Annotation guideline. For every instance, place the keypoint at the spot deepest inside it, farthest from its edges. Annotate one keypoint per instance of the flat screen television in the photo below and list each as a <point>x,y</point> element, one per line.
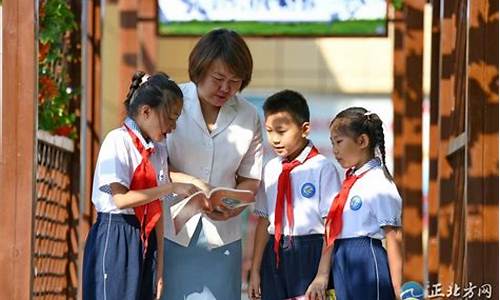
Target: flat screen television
<point>274,18</point>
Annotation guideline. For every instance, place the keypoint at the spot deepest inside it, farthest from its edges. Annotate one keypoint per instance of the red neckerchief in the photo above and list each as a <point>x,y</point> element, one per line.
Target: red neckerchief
<point>285,192</point>
<point>333,224</point>
<point>145,177</point>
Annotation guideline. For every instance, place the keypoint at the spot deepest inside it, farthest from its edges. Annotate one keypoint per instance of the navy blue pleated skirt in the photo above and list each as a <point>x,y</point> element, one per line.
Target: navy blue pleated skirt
<point>360,270</point>
<point>298,265</point>
<point>114,267</point>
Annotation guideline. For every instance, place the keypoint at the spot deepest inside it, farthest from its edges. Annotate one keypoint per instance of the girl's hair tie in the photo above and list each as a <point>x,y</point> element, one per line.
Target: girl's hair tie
<point>368,115</point>
<point>144,78</point>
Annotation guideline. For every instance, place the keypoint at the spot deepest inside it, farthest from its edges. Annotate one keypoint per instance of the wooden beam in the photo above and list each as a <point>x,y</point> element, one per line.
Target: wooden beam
<point>451,168</point>
<point>411,184</point>
<point>482,147</point>
<point>398,92</point>
<point>147,35</point>
<point>433,193</point>
<point>91,114</point>
<point>18,109</point>
<point>129,46</point>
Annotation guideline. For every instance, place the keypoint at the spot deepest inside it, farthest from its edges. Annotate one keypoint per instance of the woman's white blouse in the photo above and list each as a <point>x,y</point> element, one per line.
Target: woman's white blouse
<point>233,148</point>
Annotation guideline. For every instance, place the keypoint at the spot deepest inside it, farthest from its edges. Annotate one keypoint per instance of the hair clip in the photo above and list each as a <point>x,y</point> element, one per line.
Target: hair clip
<point>144,78</point>
<point>368,115</point>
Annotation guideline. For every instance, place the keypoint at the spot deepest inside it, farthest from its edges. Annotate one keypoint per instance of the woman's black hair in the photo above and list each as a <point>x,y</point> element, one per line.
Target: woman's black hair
<point>355,121</point>
<point>156,91</point>
<point>226,45</point>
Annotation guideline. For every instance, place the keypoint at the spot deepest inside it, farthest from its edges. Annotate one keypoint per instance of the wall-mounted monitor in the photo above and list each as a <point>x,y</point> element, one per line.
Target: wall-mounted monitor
<point>310,18</point>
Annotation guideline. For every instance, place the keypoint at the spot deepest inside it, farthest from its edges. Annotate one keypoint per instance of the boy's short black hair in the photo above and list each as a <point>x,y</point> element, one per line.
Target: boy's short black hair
<point>288,101</point>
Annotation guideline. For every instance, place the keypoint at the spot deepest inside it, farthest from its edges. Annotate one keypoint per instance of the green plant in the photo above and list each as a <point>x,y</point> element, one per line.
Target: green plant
<point>55,92</point>
<point>398,4</point>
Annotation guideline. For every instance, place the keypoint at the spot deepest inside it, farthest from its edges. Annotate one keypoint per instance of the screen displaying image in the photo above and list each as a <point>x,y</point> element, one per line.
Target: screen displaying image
<point>274,17</point>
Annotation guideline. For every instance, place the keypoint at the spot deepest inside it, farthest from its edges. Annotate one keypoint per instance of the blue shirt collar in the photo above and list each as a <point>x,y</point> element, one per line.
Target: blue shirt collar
<point>130,123</point>
<point>374,162</point>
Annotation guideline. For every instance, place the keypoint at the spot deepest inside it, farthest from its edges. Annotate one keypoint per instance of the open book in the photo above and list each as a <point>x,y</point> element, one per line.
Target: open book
<point>186,208</point>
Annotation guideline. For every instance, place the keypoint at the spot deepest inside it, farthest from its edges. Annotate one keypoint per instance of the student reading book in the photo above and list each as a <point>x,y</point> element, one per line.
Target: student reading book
<point>123,257</point>
<point>202,202</point>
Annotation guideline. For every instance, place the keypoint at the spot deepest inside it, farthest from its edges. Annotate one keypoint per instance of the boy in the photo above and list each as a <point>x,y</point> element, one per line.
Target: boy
<point>290,258</point>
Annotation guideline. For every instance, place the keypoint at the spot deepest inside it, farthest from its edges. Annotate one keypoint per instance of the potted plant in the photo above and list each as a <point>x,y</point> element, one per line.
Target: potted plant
<point>55,92</point>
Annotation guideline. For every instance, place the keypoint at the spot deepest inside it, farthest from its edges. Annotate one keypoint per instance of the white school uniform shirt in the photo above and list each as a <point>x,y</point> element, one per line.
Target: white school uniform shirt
<point>314,186</point>
<point>373,202</point>
<point>234,147</point>
<point>117,160</point>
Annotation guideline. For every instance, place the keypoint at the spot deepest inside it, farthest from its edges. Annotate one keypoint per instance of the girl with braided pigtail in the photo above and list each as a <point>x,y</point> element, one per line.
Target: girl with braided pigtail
<point>361,267</point>
<point>123,257</point>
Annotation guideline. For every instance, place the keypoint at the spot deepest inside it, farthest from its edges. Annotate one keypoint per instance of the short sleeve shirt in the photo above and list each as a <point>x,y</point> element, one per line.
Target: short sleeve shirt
<point>117,160</point>
<point>373,202</point>
<point>314,186</point>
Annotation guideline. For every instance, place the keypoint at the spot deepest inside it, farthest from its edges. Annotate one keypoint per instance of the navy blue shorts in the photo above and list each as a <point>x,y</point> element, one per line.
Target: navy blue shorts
<point>114,267</point>
<point>299,261</point>
<point>360,270</point>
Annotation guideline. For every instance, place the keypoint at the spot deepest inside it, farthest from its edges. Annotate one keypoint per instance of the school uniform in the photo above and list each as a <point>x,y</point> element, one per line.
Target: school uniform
<point>116,263</point>
<point>360,267</point>
<point>204,258</point>
<point>288,271</point>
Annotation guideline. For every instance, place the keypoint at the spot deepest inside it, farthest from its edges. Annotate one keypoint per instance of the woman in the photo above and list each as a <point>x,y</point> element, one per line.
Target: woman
<point>217,143</point>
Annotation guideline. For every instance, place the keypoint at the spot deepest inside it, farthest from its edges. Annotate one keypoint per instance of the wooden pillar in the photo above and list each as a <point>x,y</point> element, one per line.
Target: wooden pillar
<point>147,36</point>
<point>398,93</point>
<point>482,150</point>
<point>433,194</point>
<point>129,46</point>
<point>18,110</point>
<point>93,103</point>
<point>451,154</point>
<point>411,177</point>
<point>91,112</point>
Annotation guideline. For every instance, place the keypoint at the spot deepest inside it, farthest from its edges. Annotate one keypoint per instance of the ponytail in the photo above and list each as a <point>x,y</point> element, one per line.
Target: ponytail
<point>155,90</point>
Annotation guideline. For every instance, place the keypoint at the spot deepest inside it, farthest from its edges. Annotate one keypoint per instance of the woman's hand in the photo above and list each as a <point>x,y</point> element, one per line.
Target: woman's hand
<point>201,185</point>
<point>222,213</point>
<point>317,288</point>
<point>254,285</point>
<point>183,189</point>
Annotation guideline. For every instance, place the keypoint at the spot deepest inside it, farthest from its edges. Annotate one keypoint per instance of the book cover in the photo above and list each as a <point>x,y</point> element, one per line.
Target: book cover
<point>186,208</point>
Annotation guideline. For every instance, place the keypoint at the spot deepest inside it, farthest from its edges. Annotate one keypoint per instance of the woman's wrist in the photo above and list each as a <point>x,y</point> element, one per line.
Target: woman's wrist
<point>255,269</point>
